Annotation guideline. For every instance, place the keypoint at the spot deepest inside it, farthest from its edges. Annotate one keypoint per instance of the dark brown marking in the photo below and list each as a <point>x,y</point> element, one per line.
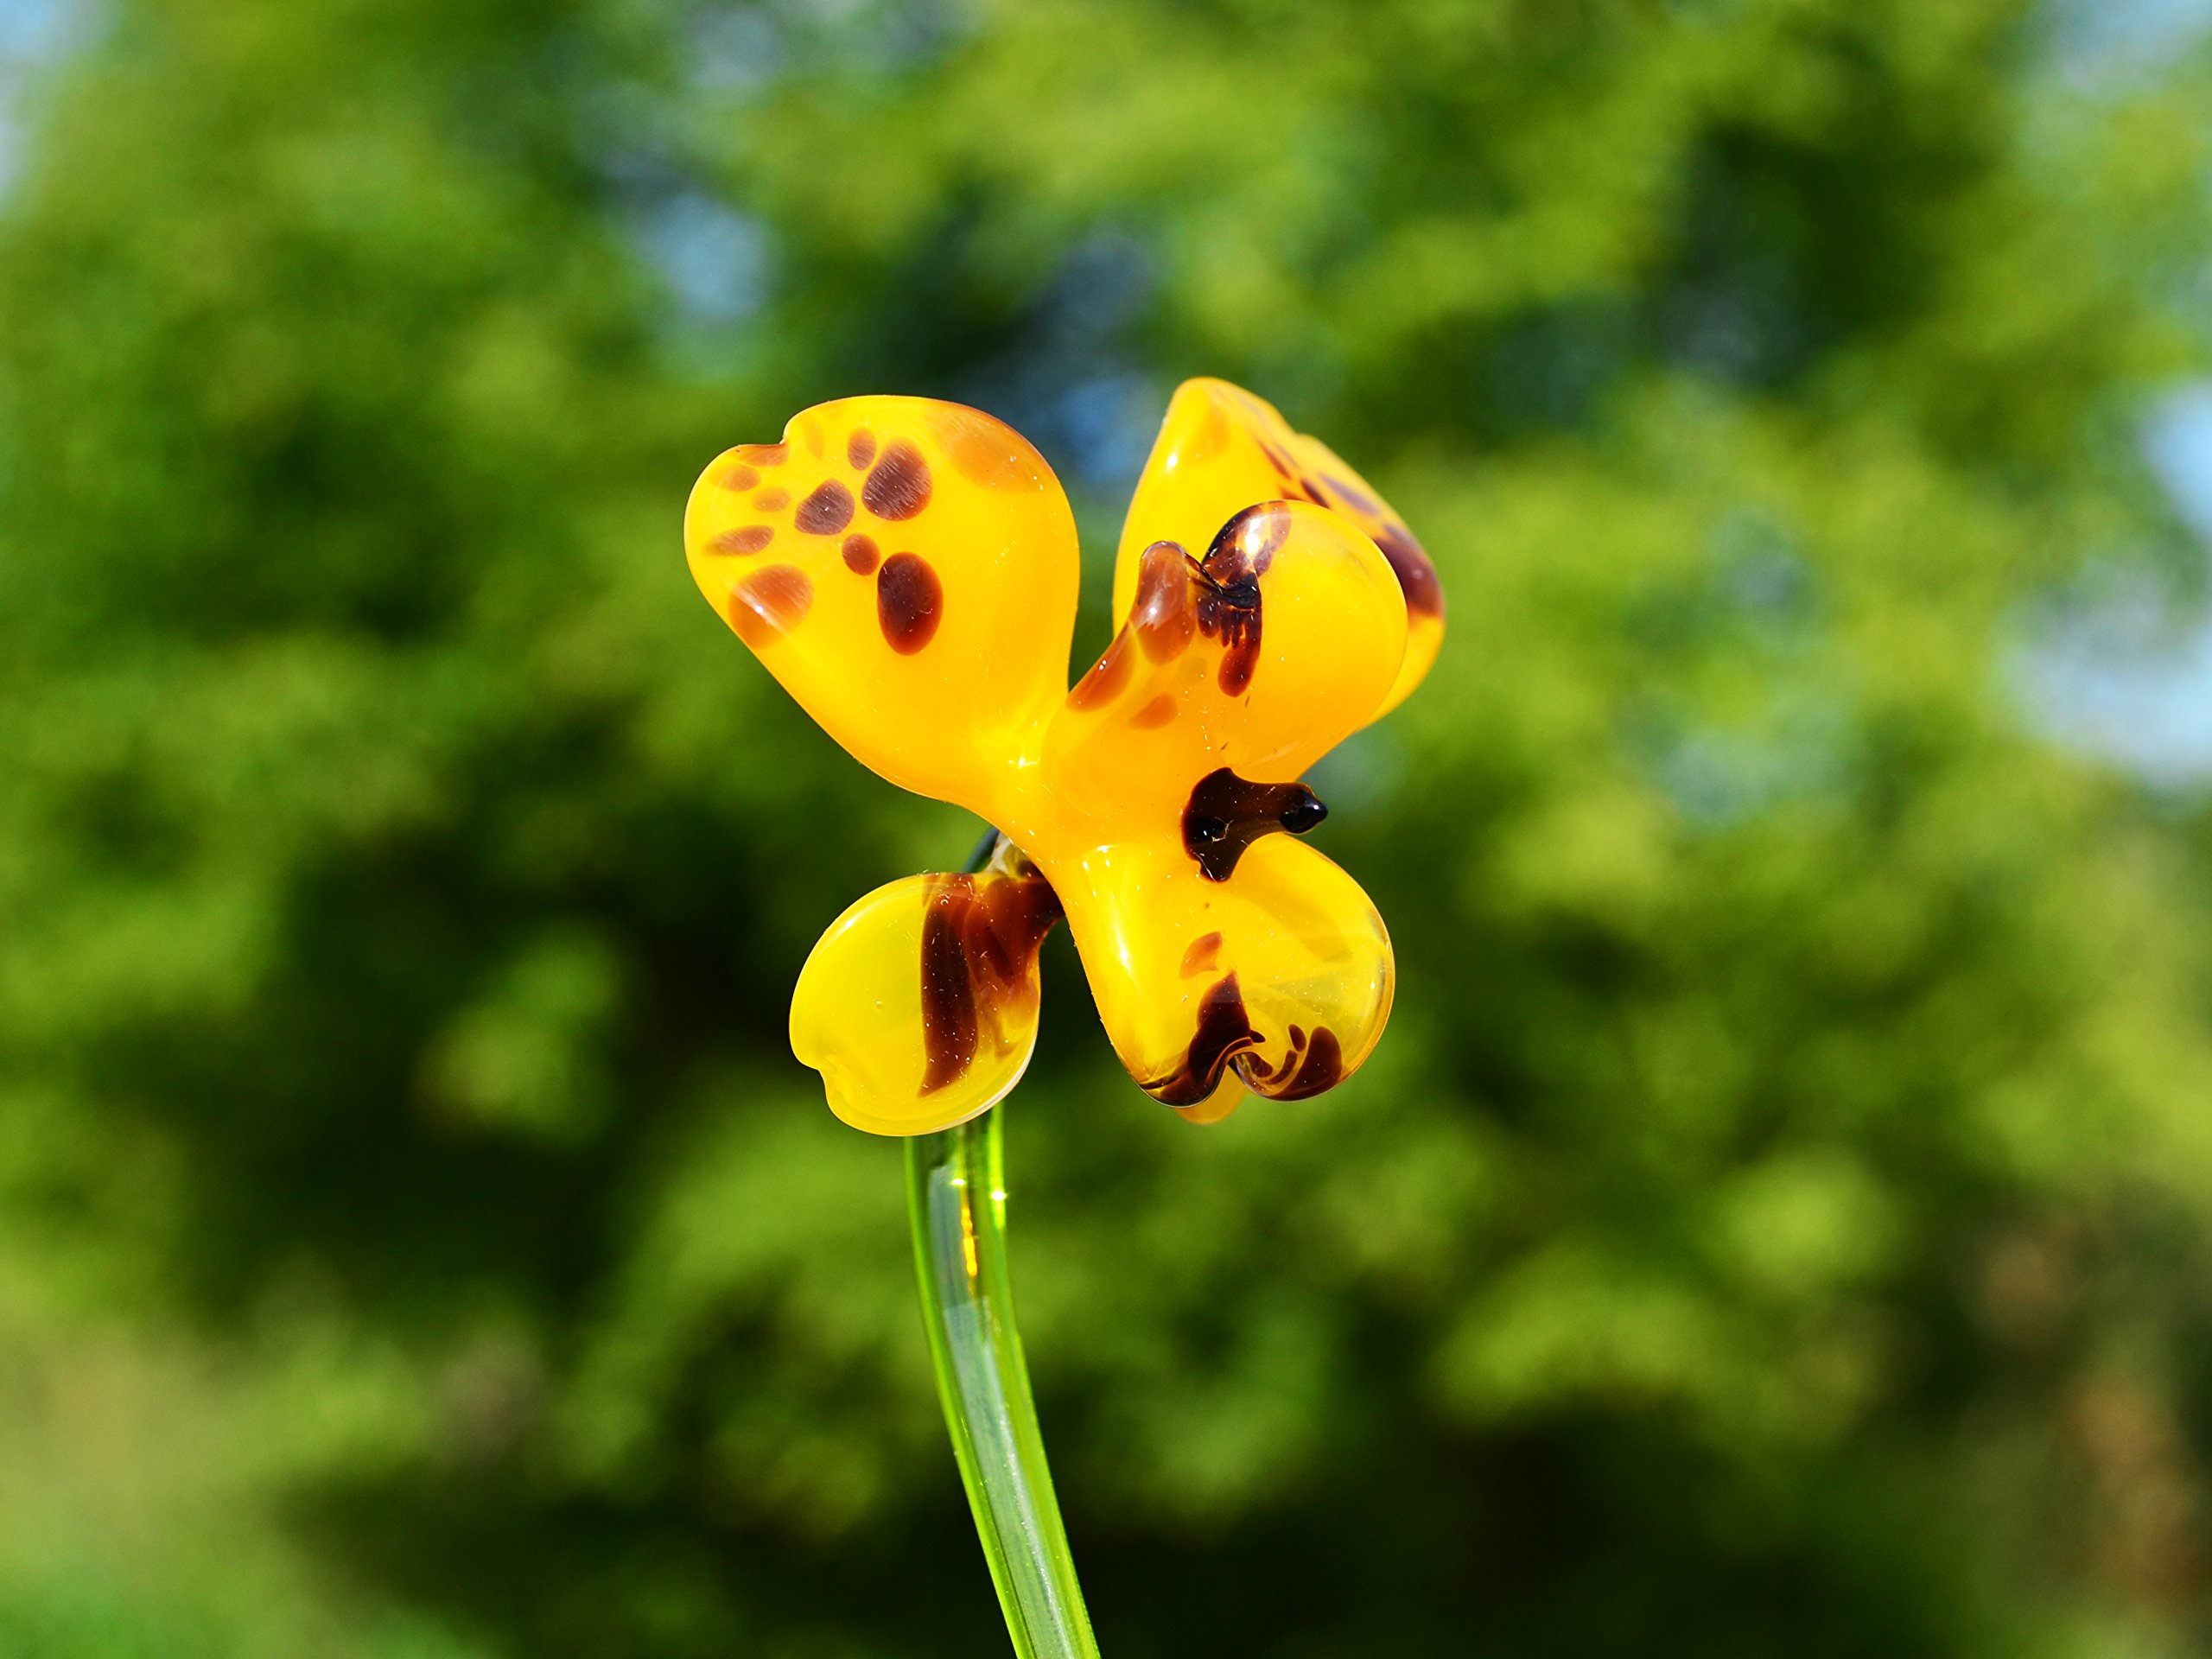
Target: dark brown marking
<point>1304,1070</point>
<point>826,512</point>
<point>1227,814</point>
<point>1203,956</point>
<point>740,478</point>
<point>979,938</point>
<point>1225,1031</point>
<point>898,485</point>
<point>1155,715</point>
<point>1107,676</point>
<point>1352,496</point>
<point>1228,601</point>
<point>771,501</point>
<point>751,539</point>
<point>861,555</point>
<point>1323,1070</point>
<point>1164,615</point>
<point>1416,574</point>
<point>950,1033</point>
<point>769,603</point>
<point>1260,1077</point>
<point>909,602</point>
<point>859,447</point>
<point>1248,543</point>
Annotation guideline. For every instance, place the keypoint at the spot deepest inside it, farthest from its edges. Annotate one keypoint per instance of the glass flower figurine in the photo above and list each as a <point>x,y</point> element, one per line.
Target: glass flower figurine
<point>907,569</point>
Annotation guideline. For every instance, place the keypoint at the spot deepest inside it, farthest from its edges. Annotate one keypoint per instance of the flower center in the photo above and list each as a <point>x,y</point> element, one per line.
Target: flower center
<point>1227,813</point>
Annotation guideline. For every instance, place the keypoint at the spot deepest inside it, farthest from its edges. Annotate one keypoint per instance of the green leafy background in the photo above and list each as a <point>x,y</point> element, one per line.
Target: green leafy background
<point>1779,1220</point>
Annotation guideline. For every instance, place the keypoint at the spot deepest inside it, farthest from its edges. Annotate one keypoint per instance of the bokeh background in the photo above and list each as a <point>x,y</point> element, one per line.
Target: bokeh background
<point>1779,1221</point>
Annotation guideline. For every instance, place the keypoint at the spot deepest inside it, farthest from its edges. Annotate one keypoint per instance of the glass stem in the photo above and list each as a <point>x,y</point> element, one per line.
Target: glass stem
<point>955,1195</point>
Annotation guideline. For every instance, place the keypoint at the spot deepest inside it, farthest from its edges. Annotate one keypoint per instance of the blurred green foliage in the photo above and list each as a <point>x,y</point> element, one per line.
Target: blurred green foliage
<point>1777,1222</point>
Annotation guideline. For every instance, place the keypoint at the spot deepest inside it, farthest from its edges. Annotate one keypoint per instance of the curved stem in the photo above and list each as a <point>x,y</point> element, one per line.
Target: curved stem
<point>956,1196</point>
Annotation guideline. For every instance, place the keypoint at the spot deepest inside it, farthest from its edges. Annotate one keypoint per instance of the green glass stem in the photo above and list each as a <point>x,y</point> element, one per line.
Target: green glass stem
<point>956,1196</point>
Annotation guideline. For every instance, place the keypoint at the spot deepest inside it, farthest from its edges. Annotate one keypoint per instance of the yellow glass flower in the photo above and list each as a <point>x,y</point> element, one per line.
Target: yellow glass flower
<point>908,568</point>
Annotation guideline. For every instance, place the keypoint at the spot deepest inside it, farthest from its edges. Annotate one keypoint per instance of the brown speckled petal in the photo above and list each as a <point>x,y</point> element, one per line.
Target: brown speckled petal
<point>939,559</point>
<point>919,1006</point>
<point>1279,978</point>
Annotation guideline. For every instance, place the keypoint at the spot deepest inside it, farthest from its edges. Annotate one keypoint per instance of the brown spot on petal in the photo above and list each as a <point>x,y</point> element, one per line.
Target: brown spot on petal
<point>765,454</point>
<point>1226,814</point>
<point>1203,956</point>
<point>950,1032</point>
<point>1304,1070</point>
<point>740,478</point>
<point>1260,1076</point>
<point>750,539</point>
<point>1164,616</point>
<point>909,602</point>
<point>1324,1069</point>
<point>1155,715</point>
<point>1229,600</point>
<point>771,501</point>
<point>859,447</point>
<point>826,512</point>
<point>1225,1031</point>
<point>1248,543</point>
<point>769,603</point>
<point>1416,575</point>
<point>979,938</point>
<point>1352,496</point>
<point>988,452</point>
<point>861,555</point>
<point>898,485</point>
<point>1107,676</point>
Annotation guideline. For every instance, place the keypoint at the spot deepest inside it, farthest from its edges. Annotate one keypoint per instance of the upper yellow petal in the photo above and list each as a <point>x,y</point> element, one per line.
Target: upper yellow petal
<point>1260,657</point>
<point>1220,450</point>
<point>908,568</point>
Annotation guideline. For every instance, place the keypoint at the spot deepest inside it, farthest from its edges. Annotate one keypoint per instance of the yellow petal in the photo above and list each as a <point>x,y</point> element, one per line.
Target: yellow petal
<point>1218,1106</point>
<point>918,1007</point>
<point>1282,972</point>
<point>1220,450</point>
<point>907,569</point>
<point>1260,657</point>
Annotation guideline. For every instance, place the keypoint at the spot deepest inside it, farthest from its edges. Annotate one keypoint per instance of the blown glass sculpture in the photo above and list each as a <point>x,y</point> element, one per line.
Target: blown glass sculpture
<point>907,569</point>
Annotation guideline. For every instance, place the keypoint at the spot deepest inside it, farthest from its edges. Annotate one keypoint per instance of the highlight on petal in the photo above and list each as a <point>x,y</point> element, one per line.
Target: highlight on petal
<point>918,1007</point>
<point>1260,653</point>
<point>1220,450</point>
<point>1279,978</point>
<point>908,568</point>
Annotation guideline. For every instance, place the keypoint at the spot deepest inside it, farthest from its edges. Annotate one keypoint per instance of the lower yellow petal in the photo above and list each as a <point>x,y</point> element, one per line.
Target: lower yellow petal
<point>918,1007</point>
<point>1215,1107</point>
<point>1281,972</point>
